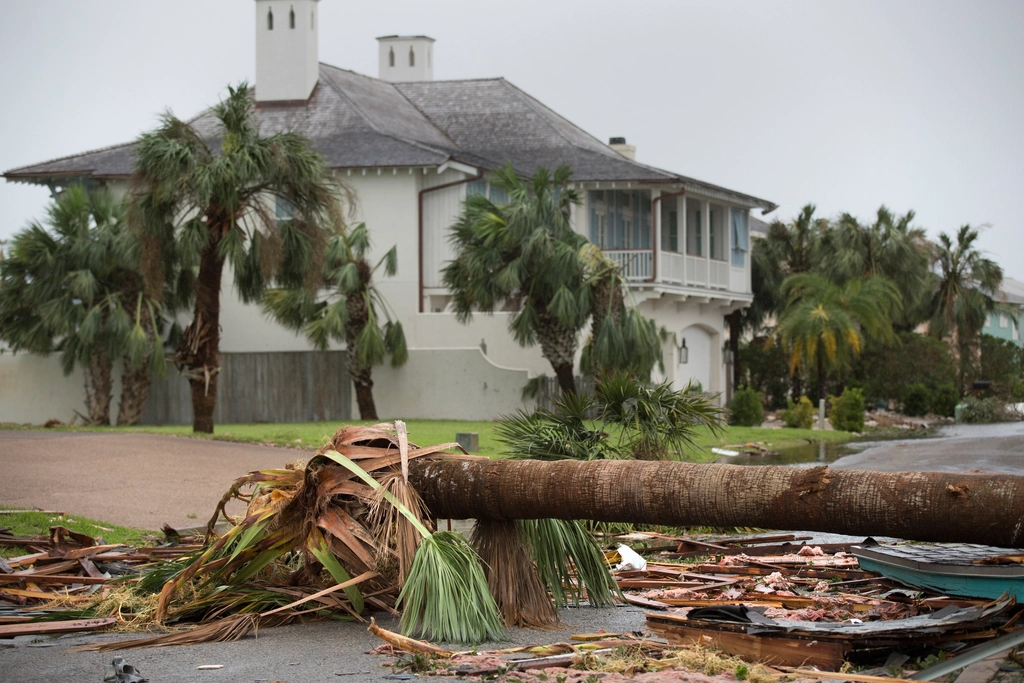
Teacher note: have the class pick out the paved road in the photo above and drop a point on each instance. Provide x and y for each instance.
(135, 480)
(958, 448)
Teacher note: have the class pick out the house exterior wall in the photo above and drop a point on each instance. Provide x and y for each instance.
(33, 389)
(477, 368)
(1003, 327)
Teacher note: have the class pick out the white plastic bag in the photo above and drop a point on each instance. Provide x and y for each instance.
(630, 560)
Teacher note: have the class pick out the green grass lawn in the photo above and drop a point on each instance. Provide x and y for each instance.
(34, 523)
(311, 435)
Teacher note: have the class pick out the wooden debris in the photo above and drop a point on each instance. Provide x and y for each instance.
(48, 627)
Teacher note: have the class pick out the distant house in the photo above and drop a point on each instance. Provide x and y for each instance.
(1001, 325)
(411, 149)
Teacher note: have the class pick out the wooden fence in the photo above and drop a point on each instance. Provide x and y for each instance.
(300, 386)
(549, 391)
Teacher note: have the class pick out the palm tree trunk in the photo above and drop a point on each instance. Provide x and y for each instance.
(135, 382)
(364, 394)
(923, 506)
(358, 318)
(822, 375)
(566, 379)
(135, 385)
(558, 345)
(200, 349)
(734, 345)
(98, 385)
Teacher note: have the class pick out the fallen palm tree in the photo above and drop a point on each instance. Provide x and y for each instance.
(352, 512)
(366, 505)
(922, 506)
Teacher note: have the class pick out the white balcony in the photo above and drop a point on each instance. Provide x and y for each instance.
(637, 265)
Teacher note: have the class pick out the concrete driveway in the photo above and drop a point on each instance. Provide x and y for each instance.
(134, 480)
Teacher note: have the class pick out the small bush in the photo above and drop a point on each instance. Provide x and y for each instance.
(916, 400)
(847, 411)
(746, 409)
(799, 415)
(944, 400)
(984, 410)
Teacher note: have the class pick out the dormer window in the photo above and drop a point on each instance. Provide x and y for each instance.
(291, 18)
(412, 57)
(270, 20)
(391, 57)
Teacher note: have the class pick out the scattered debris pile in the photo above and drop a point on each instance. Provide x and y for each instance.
(67, 570)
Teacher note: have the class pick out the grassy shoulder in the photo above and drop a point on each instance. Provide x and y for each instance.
(21, 523)
(311, 435)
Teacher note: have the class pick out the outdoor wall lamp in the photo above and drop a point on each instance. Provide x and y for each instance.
(684, 353)
(727, 355)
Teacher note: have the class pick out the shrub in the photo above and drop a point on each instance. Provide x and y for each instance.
(983, 410)
(765, 367)
(944, 400)
(746, 409)
(888, 372)
(847, 411)
(916, 400)
(799, 415)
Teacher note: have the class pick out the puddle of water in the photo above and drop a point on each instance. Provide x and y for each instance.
(820, 453)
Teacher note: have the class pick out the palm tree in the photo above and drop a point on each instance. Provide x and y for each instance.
(524, 254)
(786, 250)
(621, 338)
(913, 505)
(624, 418)
(73, 286)
(348, 308)
(206, 201)
(824, 323)
(962, 298)
(889, 248)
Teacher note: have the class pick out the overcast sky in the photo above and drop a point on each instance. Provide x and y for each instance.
(914, 104)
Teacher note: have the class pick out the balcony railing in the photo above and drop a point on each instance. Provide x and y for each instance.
(636, 265)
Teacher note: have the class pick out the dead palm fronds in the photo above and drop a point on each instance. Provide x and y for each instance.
(511, 575)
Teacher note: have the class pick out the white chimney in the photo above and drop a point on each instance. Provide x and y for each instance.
(620, 146)
(406, 59)
(287, 63)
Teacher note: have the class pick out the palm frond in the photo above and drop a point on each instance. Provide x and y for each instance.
(570, 564)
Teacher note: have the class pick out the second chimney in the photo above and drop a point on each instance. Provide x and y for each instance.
(406, 59)
(620, 146)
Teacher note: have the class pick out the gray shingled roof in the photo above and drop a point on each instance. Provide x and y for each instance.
(360, 122)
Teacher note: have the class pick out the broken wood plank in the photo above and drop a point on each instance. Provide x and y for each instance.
(836, 676)
(25, 560)
(644, 602)
(769, 649)
(42, 628)
(90, 551)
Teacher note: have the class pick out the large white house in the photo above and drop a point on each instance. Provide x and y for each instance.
(410, 149)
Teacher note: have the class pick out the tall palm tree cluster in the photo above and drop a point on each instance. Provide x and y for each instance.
(71, 285)
(823, 289)
(103, 279)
